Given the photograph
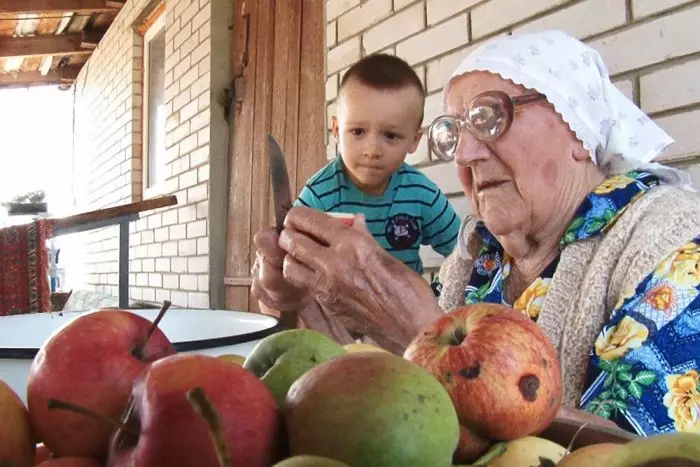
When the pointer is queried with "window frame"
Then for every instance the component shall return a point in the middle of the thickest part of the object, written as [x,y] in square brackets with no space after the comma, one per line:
[158,188]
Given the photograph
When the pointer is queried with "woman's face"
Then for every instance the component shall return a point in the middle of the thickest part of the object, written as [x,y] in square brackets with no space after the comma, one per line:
[515,183]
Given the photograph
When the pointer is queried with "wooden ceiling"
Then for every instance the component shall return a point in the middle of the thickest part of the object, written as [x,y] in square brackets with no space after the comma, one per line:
[47,42]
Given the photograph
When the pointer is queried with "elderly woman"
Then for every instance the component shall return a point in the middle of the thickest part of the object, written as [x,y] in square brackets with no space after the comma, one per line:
[572,225]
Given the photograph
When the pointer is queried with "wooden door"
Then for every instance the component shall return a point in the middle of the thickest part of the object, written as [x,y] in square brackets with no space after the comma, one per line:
[279,88]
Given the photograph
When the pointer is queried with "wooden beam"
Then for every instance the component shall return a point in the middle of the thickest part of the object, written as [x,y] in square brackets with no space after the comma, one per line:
[23,79]
[91,38]
[10,8]
[67,44]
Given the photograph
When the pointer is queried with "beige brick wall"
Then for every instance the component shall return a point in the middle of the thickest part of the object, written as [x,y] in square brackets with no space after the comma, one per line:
[650,46]
[169,252]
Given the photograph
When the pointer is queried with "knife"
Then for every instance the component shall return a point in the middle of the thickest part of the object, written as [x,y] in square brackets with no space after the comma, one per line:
[282,201]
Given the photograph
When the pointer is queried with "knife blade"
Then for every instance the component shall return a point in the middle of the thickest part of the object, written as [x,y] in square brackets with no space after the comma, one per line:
[282,201]
[281,191]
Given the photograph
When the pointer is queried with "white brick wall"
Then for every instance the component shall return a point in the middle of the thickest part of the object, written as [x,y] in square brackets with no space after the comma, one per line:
[651,47]
[169,247]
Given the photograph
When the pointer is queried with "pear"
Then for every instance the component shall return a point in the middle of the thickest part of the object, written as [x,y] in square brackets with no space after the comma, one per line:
[16,439]
[310,461]
[525,451]
[372,409]
[664,450]
[232,358]
[591,455]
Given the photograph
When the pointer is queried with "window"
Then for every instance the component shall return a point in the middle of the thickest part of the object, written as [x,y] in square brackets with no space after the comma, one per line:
[154,112]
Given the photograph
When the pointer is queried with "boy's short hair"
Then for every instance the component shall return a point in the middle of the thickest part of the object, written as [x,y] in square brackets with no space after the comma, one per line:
[383,72]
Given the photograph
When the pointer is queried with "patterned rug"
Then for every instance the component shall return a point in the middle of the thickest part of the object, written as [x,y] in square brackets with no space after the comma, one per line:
[24,268]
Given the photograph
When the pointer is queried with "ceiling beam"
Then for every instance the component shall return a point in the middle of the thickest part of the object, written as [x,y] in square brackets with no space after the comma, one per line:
[10,8]
[22,79]
[35,46]
[91,38]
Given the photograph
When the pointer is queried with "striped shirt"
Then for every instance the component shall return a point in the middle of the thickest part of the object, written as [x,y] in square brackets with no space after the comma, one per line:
[411,212]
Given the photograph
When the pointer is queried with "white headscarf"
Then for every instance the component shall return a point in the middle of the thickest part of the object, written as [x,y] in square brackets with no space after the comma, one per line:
[617,134]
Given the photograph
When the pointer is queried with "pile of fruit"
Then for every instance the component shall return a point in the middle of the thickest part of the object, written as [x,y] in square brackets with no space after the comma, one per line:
[109,390]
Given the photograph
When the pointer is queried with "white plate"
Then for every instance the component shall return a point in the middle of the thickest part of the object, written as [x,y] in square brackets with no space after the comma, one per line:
[211,332]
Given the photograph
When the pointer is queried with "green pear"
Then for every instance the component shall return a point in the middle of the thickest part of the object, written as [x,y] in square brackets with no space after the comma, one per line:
[279,359]
[664,450]
[372,409]
[309,461]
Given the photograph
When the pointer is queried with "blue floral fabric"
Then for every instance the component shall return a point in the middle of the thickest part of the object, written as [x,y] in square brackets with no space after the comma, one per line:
[644,371]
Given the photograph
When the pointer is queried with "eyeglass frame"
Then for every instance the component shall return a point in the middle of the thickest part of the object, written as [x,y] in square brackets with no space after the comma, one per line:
[511,103]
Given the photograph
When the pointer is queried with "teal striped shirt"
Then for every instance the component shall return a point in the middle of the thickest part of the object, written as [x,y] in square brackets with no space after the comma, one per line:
[411,212]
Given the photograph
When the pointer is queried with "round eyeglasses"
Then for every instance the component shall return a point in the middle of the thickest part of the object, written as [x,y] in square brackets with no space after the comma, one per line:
[488,116]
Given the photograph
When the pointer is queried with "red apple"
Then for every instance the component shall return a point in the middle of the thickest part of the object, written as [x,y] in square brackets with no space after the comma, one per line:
[91,362]
[70,462]
[498,366]
[166,430]
[16,438]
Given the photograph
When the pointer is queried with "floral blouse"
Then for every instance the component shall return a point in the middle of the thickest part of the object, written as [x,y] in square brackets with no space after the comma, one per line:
[644,371]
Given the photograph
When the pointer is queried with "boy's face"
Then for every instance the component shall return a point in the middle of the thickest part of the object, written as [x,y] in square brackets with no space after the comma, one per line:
[375,130]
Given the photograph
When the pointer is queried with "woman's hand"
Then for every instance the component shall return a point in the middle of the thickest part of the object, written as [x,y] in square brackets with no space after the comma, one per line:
[269,285]
[353,279]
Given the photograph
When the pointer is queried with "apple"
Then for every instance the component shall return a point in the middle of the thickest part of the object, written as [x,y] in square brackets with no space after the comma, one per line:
[70,462]
[371,409]
[344,217]
[16,439]
[279,359]
[497,365]
[165,431]
[91,362]
[354,347]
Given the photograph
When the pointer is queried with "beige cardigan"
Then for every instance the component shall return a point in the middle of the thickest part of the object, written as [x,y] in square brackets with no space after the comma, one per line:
[592,274]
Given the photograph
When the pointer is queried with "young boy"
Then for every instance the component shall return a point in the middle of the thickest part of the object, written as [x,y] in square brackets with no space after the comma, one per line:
[378,123]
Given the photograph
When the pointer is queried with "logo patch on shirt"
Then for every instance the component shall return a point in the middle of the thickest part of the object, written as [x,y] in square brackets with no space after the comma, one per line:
[402,231]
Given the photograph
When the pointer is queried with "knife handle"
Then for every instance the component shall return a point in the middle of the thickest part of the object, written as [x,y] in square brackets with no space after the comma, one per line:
[289,319]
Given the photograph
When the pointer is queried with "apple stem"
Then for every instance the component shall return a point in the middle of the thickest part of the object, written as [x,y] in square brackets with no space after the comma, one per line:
[138,351]
[203,406]
[57,404]
[578,432]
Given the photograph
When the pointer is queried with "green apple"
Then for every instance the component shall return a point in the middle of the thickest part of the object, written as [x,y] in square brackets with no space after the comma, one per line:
[310,461]
[280,359]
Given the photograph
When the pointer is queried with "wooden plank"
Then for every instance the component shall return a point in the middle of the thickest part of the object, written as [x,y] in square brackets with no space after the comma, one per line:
[67,44]
[278,95]
[261,191]
[291,141]
[116,211]
[241,156]
[11,8]
[34,78]
[312,98]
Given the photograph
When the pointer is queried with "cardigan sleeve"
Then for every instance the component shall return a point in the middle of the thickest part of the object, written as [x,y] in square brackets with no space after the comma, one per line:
[644,369]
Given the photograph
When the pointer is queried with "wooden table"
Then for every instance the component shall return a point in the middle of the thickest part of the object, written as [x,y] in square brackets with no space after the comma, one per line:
[118,215]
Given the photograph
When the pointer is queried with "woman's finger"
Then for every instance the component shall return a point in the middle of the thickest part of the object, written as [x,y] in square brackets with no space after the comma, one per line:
[304,249]
[314,223]
[267,244]
[298,274]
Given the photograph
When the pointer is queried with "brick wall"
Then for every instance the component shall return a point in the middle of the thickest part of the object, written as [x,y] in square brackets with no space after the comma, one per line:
[651,48]
[169,252]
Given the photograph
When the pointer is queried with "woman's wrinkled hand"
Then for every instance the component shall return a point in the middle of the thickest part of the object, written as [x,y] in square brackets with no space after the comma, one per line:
[351,276]
[269,285]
